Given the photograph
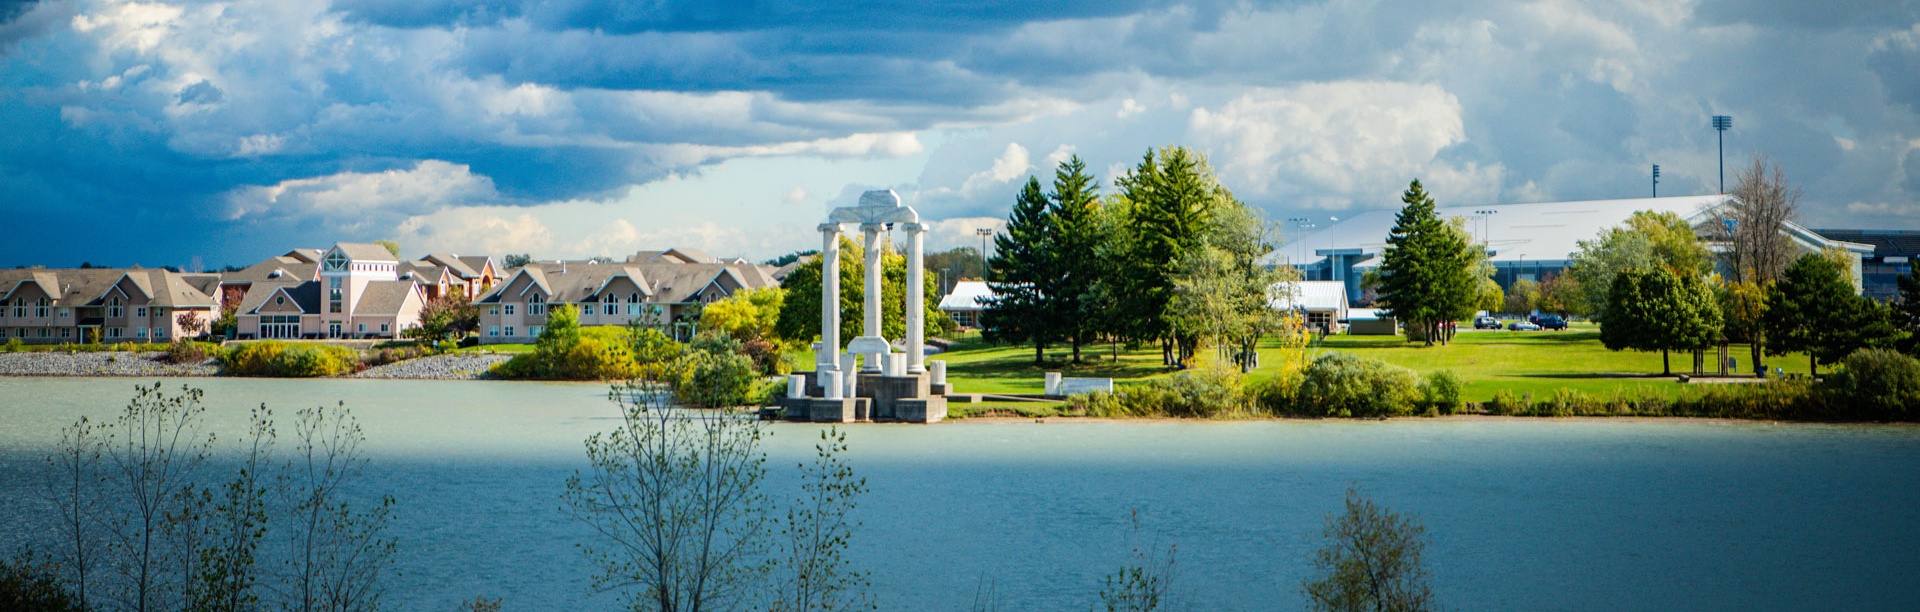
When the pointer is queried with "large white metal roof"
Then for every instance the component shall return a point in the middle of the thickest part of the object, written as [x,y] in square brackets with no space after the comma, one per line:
[967,296]
[1309,295]
[1547,231]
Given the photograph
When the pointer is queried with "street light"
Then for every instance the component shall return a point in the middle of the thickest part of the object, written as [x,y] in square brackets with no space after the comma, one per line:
[1333,269]
[1484,219]
[1721,123]
[984,233]
[1656,180]
[1302,224]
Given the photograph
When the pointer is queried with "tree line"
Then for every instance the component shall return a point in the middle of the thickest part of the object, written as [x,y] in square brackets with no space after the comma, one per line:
[1172,258]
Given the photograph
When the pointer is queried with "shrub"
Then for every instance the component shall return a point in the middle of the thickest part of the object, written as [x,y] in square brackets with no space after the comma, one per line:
[189,352]
[714,379]
[1199,394]
[1279,394]
[1440,392]
[1338,384]
[14,346]
[287,359]
[1878,384]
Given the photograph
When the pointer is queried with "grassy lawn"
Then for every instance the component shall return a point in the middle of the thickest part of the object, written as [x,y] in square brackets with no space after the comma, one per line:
[1524,362]
[504,349]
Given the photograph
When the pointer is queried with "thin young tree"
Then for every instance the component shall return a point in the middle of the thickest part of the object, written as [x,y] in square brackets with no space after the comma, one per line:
[1145,582]
[238,516]
[338,551]
[1372,562]
[74,491]
[813,571]
[674,495]
[152,454]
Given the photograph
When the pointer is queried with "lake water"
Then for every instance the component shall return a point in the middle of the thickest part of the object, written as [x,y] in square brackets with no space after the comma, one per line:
[1521,514]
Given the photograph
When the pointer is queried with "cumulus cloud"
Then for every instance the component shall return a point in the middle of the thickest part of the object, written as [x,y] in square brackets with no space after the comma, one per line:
[476,230]
[429,185]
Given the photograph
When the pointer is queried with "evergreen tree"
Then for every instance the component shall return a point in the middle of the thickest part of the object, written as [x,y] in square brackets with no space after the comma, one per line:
[1427,274]
[1171,196]
[1813,308]
[1075,203]
[1019,273]
[1906,312]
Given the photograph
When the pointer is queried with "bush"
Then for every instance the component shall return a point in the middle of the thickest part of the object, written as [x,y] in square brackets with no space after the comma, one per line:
[1338,384]
[188,352]
[14,346]
[715,379]
[1440,392]
[1201,394]
[287,359]
[1277,395]
[1878,384]
[393,354]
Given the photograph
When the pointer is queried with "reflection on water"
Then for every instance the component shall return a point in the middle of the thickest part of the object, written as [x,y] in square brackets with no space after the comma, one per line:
[1521,514]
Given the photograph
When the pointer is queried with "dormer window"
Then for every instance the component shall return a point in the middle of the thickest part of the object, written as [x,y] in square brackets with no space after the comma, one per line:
[336,261]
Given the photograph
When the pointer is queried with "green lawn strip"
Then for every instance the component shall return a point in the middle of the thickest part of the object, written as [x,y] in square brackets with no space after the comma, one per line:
[505,349]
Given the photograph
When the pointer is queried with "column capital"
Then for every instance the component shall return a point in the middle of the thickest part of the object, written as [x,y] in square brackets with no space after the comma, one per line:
[915,227]
[873,227]
[829,228]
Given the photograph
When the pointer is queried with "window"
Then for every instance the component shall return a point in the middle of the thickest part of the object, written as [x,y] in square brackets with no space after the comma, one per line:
[279,300]
[336,261]
[65,332]
[114,310]
[633,303]
[112,332]
[509,330]
[44,333]
[140,312]
[383,327]
[159,332]
[495,310]
[66,312]
[19,308]
[536,305]
[40,308]
[336,296]
[363,328]
[507,308]
[609,308]
[493,330]
[533,330]
[140,331]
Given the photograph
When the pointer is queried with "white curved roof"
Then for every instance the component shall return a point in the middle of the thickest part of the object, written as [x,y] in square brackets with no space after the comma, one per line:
[1547,231]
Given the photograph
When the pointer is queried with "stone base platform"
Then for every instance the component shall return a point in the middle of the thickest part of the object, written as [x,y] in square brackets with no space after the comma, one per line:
[927,410]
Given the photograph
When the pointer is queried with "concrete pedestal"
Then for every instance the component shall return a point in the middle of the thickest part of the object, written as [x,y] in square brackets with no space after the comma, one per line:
[925,410]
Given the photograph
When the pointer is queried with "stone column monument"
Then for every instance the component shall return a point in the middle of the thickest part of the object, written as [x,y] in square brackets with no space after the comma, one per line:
[887,393]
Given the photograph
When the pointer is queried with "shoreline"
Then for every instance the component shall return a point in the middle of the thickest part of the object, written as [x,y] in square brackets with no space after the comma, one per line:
[144,364]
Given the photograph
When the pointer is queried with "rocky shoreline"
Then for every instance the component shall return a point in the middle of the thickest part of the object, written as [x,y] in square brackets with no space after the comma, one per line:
[121,363]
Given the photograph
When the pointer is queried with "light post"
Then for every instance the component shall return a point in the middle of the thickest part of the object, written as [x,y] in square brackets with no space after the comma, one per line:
[1656,180]
[1333,269]
[1721,123]
[984,233]
[1302,224]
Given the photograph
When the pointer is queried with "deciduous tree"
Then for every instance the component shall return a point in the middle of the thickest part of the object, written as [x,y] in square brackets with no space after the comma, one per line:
[1753,223]
[1813,308]
[1372,562]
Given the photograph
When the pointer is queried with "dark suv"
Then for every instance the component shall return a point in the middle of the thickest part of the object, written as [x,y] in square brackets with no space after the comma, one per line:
[1486,323]
[1553,322]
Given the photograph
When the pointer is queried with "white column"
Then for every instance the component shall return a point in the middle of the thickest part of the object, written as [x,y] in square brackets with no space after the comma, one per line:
[916,300]
[872,327]
[827,358]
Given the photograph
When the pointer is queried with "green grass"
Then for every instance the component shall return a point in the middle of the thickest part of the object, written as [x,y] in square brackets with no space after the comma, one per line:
[1523,362]
[505,349]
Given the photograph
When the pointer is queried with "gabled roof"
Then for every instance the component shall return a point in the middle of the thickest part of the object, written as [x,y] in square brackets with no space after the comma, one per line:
[384,297]
[967,295]
[92,286]
[572,282]
[311,256]
[478,263]
[279,268]
[1308,295]
[365,251]
[424,271]
[680,255]
[1516,233]
[454,264]
[305,295]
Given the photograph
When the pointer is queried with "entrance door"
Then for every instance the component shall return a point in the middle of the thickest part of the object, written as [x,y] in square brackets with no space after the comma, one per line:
[333,330]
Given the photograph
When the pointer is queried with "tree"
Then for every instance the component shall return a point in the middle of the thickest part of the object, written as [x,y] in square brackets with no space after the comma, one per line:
[515,261]
[746,315]
[1523,297]
[1592,268]
[1169,200]
[1743,310]
[1073,207]
[1223,295]
[1427,274]
[1674,243]
[1753,223]
[955,264]
[1813,308]
[238,516]
[1018,273]
[190,324]
[152,454]
[813,572]
[338,552]
[1372,561]
[1906,312]
[76,494]
[1657,310]
[675,496]
[391,246]
[29,583]
[1145,582]
[450,316]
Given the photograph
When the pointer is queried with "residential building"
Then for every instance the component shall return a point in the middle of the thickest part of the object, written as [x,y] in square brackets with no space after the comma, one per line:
[298,265]
[661,292]
[472,275]
[358,293]
[51,306]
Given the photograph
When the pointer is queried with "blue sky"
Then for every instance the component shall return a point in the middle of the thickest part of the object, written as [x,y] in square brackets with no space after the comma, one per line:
[224,132]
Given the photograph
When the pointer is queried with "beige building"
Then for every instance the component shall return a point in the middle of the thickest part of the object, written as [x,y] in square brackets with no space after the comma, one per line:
[51,306]
[358,293]
[657,291]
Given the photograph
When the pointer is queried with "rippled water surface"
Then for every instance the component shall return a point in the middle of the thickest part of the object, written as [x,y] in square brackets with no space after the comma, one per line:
[1521,514]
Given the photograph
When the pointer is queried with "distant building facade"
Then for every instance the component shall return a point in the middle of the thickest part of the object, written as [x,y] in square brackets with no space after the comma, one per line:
[357,293]
[1894,252]
[658,288]
[54,306]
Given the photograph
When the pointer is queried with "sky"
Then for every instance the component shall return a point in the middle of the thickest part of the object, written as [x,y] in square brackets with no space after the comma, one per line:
[204,134]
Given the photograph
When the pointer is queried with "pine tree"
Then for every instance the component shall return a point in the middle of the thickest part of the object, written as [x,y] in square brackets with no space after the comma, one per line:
[1075,202]
[1170,196]
[1906,312]
[1020,271]
[1813,308]
[1427,274]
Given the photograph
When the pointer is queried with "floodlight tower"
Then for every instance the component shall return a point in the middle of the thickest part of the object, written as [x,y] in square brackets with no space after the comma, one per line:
[1656,180]
[1302,224]
[984,233]
[1721,123]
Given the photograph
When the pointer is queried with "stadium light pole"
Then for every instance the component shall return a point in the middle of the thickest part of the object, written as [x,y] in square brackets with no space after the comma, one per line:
[1302,224]
[1656,179]
[984,233]
[1721,123]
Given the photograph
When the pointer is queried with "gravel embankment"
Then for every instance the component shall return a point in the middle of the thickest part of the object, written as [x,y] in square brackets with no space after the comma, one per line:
[443,367]
[100,364]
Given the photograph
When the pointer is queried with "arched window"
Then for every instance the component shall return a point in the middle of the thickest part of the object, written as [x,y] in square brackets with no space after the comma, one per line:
[633,304]
[536,305]
[113,309]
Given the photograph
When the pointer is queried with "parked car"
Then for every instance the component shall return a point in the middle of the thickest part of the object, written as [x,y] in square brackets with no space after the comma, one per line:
[1486,323]
[1522,326]
[1552,322]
